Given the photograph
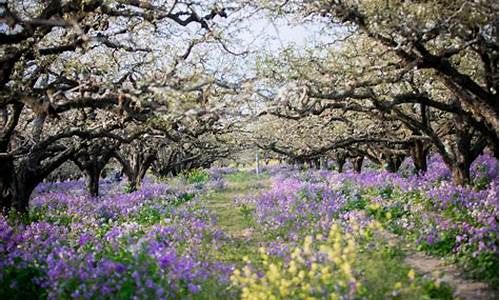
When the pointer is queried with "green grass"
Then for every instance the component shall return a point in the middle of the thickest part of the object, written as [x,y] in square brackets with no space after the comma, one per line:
[245,178]
[235,220]
[381,266]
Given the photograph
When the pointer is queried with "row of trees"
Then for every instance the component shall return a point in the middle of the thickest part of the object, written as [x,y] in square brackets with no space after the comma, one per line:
[91,81]
[150,84]
[404,79]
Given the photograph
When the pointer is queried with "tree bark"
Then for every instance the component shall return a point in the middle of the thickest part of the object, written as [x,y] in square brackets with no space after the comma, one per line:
[17,182]
[357,163]
[317,164]
[461,174]
[393,162]
[419,155]
[93,174]
[91,161]
[323,163]
[7,184]
[25,184]
[340,159]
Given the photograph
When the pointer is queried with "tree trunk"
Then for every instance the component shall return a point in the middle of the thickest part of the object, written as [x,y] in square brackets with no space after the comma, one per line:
[93,175]
[419,155]
[357,163]
[16,188]
[323,163]
[7,184]
[257,163]
[23,194]
[464,155]
[317,163]
[139,176]
[340,164]
[461,174]
[393,163]
[398,162]
[133,185]
[389,166]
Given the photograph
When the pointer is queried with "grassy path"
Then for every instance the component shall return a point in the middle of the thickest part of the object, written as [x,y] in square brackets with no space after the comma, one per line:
[243,239]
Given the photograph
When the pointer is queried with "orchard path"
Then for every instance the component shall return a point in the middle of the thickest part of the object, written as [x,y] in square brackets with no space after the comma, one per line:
[244,239]
[441,270]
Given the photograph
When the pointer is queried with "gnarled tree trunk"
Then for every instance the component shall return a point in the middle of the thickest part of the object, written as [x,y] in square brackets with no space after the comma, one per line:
[91,162]
[93,173]
[461,174]
[393,162]
[136,166]
[340,159]
[17,181]
[357,163]
[419,152]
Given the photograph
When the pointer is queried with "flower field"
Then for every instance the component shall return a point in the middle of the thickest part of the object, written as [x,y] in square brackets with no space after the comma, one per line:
[307,234]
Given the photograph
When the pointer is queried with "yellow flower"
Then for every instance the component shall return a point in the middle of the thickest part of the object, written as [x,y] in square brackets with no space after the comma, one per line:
[314,267]
[325,274]
[292,269]
[284,287]
[346,268]
[302,275]
[296,253]
[273,272]
[283,291]
[307,245]
[306,287]
[411,275]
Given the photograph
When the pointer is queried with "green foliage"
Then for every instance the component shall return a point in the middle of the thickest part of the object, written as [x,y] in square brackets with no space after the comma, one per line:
[482,181]
[148,215]
[17,283]
[442,246]
[129,188]
[399,281]
[242,177]
[356,203]
[386,192]
[196,176]
[247,212]
[182,198]
[55,215]
[389,215]
[15,217]
[438,291]
[483,266]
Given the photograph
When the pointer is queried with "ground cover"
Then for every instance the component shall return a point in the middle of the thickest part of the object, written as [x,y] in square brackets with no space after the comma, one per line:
[282,234]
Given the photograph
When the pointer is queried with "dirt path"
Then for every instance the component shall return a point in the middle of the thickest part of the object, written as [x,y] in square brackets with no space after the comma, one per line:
[244,239]
[442,271]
